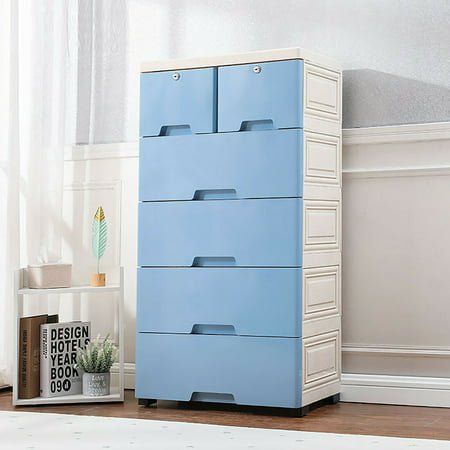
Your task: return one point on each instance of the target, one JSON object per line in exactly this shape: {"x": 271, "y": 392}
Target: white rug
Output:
{"x": 45, "y": 431}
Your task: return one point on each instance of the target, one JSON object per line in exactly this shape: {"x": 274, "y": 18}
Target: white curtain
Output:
{"x": 38, "y": 54}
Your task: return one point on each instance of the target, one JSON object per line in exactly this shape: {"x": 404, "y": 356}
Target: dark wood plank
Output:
{"x": 351, "y": 418}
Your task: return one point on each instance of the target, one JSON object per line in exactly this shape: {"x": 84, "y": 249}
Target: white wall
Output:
{"x": 394, "y": 52}
{"x": 396, "y": 256}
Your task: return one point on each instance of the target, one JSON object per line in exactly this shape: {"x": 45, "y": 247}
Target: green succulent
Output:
{"x": 98, "y": 356}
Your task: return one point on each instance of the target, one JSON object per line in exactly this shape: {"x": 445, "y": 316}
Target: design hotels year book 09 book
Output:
{"x": 59, "y": 345}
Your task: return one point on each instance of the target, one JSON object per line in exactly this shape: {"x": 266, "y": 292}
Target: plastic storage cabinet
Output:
{"x": 240, "y": 230}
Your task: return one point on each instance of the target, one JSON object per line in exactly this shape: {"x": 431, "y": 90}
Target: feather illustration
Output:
{"x": 99, "y": 235}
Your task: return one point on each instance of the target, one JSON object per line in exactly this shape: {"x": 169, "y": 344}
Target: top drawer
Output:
{"x": 255, "y": 96}
{"x": 178, "y": 102}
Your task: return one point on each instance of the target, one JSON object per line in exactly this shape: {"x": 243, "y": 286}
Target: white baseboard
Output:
{"x": 396, "y": 390}
{"x": 384, "y": 389}
{"x": 129, "y": 370}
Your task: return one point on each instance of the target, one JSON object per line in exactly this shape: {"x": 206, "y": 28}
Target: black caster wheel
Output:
{"x": 334, "y": 399}
{"x": 146, "y": 401}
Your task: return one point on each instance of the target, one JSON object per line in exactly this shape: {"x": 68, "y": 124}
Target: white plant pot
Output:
{"x": 96, "y": 384}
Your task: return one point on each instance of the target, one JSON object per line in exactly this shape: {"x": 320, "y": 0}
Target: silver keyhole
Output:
{"x": 257, "y": 69}
{"x": 176, "y": 76}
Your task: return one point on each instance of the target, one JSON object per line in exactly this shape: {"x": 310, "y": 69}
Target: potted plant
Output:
{"x": 96, "y": 360}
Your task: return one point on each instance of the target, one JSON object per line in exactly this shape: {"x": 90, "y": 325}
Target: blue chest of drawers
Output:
{"x": 239, "y": 232}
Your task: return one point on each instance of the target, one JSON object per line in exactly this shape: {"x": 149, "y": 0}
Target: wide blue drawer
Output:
{"x": 260, "y": 233}
{"x": 178, "y": 102}
{"x": 207, "y": 300}
{"x": 222, "y": 165}
{"x": 254, "y": 96}
{"x": 234, "y": 369}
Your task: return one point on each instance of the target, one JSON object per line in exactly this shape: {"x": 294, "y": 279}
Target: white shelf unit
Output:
{"x": 117, "y": 392}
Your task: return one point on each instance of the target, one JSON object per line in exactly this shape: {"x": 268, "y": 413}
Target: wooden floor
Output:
{"x": 351, "y": 418}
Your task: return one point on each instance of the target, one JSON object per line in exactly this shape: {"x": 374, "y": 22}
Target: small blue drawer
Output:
{"x": 255, "y": 233}
{"x": 254, "y": 96}
{"x": 222, "y": 165}
{"x": 178, "y": 102}
{"x": 228, "y": 369}
{"x": 207, "y": 300}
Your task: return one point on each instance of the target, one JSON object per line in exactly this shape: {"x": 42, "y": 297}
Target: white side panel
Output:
{"x": 320, "y": 392}
{"x": 320, "y": 325}
{"x": 322, "y": 258}
{"x": 321, "y": 225}
{"x": 322, "y": 159}
{"x": 321, "y": 192}
{"x": 322, "y": 125}
{"x": 321, "y": 284}
{"x": 321, "y": 359}
{"x": 321, "y": 292}
{"x": 322, "y": 92}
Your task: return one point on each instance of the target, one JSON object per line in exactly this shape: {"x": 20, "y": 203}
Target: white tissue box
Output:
{"x": 50, "y": 275}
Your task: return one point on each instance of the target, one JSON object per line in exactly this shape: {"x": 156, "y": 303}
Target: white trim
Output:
{"x": 397, "y": 133}
{"x": 420, "y": 171}
{"x": 129, "y": 371}
{"x": 258, "y": 56}
{"x": 102, "y": 151}
{"x": 396, "y": 390}
{"x": 397, "y": 350}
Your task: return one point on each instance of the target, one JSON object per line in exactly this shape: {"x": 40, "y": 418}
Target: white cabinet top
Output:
{"x": 240, "y": 58}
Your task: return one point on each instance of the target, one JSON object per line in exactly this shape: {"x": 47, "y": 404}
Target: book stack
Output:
{"x": 47, "y": 356}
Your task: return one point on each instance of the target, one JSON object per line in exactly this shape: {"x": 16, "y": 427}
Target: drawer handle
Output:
{"x": 256, "y": 125}
{"x": 213, "y": 397}
{"x": 204, "y": 328}
{"x": 175, "y": 130}
{"x": 257, "y": 69}
{"x": 214, "y": 194}
{"x": 213, "y": 261}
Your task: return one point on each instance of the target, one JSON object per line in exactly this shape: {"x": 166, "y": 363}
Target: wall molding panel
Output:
{"x": 400, "y": 172}
{"x": 395, "y": 350}
{"x": 394, "y": 134}
{"x": 419, "y": 351}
